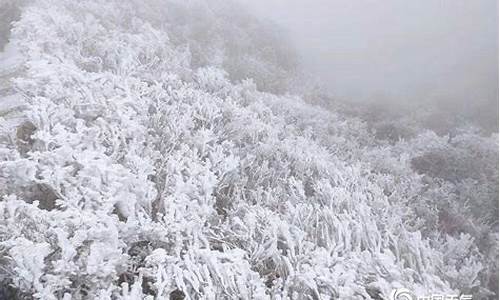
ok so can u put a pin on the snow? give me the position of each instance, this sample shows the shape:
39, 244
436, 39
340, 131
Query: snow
130, 171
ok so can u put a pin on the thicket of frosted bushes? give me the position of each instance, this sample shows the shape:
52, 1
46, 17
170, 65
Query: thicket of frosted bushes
151, 165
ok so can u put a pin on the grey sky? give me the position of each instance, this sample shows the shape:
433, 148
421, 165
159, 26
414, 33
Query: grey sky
438, 50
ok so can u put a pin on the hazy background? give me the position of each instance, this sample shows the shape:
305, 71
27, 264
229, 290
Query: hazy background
439, 51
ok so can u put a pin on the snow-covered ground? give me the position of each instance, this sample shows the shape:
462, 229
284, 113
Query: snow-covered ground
142, 161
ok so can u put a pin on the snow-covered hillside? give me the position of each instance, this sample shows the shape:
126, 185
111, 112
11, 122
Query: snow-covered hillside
147, 162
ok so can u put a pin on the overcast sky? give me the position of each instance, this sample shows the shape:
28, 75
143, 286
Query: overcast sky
410, 50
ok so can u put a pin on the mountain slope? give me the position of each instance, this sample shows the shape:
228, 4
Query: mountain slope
143, 175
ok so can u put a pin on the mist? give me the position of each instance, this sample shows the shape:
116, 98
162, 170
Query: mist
439, 52
208, 149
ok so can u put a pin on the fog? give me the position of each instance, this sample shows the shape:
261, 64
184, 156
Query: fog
439, 51
173, 149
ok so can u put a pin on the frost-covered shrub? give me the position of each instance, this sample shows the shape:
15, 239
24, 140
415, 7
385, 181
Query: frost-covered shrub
145, 171
222, 34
